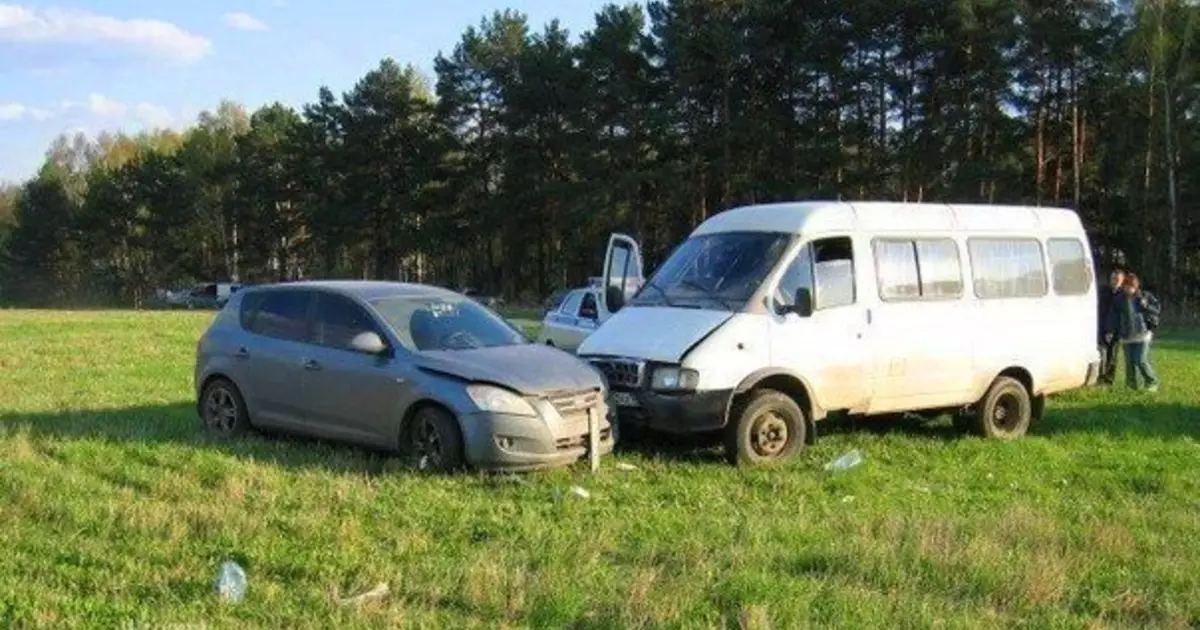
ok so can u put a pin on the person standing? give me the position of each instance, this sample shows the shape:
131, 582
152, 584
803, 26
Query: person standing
1107, 337
1131, 310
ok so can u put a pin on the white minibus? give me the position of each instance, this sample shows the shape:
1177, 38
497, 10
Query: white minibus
769, 317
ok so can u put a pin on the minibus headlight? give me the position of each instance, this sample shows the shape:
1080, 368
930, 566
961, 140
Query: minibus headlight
674, 379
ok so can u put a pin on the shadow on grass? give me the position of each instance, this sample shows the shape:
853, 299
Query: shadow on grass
178, 424
1146, 418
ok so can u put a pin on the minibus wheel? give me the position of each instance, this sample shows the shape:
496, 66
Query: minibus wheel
1005, 410
767, 427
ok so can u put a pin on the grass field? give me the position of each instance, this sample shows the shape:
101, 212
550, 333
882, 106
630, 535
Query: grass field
116, 512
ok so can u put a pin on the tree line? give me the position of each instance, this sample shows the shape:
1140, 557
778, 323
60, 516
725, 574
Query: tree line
507, 170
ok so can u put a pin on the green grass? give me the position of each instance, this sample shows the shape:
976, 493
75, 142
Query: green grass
116, 512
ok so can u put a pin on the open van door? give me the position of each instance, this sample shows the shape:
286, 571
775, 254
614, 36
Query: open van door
622, 272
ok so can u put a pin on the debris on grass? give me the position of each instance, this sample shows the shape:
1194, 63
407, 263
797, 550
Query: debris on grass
580, 492
849, 498
625, 467
845, 462
231, 582
380, 591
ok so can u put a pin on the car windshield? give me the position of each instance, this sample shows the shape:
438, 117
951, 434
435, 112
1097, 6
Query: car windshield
714, 270
430, 323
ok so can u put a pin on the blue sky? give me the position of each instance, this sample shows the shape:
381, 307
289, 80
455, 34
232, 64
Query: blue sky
89, 65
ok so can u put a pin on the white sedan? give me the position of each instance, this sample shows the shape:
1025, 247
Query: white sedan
578, 315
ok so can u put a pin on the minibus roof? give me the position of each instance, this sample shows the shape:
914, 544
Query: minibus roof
877, 216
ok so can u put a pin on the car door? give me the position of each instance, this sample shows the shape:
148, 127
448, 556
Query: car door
271, 356
921, 345
623, 273
349, 394
576, 325
557, 325
829, 348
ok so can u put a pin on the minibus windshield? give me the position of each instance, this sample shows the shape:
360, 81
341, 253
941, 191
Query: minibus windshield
719, 270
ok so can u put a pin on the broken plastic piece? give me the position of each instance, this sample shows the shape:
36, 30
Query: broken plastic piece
380, 591
231, 582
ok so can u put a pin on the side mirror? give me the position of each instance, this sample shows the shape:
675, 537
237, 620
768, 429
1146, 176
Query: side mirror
615, 298
368, 343
804, 302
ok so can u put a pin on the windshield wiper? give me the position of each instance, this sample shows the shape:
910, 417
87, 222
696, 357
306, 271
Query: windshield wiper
708, 292
653, 285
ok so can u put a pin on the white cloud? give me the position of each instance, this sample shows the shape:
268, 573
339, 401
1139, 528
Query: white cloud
152, 115
102, 107
244, 22
10, 112
105, 107
54, 25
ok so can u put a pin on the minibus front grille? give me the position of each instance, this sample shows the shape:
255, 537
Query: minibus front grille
623, 373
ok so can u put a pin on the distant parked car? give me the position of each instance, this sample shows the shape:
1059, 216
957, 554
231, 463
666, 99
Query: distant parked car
581, 311
411, 368
212, 295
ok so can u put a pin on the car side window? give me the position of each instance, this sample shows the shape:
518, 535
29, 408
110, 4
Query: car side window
588, 308
798, 275
570, 306
282, 315
339, 320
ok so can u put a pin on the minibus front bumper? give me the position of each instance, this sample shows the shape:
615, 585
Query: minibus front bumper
681, 413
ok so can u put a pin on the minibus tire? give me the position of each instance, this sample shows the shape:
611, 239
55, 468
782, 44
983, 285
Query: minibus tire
1005, 410
764, 410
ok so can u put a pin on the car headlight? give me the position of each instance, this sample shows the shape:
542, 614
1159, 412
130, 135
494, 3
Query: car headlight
674, 379
499, 400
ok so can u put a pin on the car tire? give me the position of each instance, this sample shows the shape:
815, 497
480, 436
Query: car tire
767, 428
222, 409
1005, 411
433, 440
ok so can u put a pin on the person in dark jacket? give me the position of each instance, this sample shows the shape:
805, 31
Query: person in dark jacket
1108, 338
1128, 320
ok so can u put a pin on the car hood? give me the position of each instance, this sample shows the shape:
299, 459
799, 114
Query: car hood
529, 368
655, 333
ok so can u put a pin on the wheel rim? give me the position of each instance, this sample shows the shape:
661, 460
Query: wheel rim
1006, 412
427, 443
220, 410
769, 434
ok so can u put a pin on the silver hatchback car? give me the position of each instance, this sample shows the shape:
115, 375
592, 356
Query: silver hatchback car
415, 369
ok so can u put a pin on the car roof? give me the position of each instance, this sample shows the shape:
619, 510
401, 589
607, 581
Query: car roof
366, 290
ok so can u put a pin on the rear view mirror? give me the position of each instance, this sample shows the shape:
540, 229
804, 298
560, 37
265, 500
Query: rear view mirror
804, 302
368, 343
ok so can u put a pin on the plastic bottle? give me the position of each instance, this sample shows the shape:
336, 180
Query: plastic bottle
847, 461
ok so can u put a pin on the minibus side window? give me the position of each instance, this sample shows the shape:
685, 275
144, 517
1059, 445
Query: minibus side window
1005, 268
798, 275
1069, 271
917, 269
833, 272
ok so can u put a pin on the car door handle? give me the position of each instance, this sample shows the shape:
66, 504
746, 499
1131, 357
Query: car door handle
242, 353
311, 364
